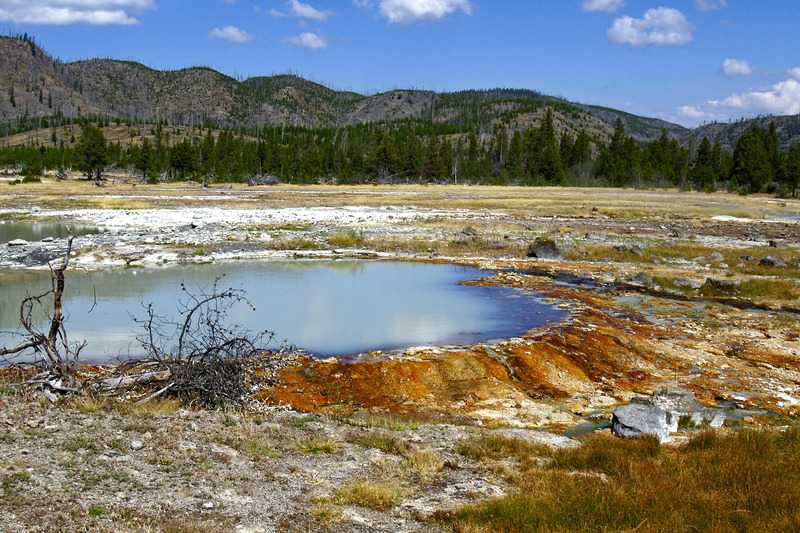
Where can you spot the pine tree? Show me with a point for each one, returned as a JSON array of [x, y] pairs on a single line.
[[703, 175], [792, 176], [91, 151]]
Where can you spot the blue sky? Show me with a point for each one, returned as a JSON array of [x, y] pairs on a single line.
[[686, 61]]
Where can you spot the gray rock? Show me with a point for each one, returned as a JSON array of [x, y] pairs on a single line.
[[642, 279], [687, 408], [688, 283], [545, 248], [717, 257], [772, 261], [18, 242], [640, 417], [662, 413], [636, 250], [778, 245], [722, 284]]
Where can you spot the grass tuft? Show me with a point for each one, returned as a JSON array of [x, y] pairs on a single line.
[[376, 495], [320, 445], [346, 240], [382, 441]]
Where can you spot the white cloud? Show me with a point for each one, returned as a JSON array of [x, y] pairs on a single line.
[[301, 10], [309, 41], [65, 12], [693, 113], [710, 5], [410, 11], [231, 34], [782, 98], [737, 67], [662, 26], [604, 6]]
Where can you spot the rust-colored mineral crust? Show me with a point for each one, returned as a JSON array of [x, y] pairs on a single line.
[[600, 356]]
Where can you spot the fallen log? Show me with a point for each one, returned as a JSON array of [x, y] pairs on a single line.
[[125, 382]]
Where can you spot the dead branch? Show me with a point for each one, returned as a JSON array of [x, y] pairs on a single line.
[[52, 349], [206, 358]]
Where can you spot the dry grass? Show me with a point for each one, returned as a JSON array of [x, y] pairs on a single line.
[[325, 512], [496, 447], [523, 201], [378, 495], [94, 403], [748, 481], [424, 465], [406, 421], [382, 441]]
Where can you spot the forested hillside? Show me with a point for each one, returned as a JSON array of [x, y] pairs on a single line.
[[39, 86], [96, 115]]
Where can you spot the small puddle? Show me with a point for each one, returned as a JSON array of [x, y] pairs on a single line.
[[328, 308], [37, 231]]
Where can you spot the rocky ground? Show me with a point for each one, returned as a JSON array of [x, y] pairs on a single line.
[[93, 465], [631, 270]]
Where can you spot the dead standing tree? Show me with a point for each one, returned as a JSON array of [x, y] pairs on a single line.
[[52, 349], [204, 360]]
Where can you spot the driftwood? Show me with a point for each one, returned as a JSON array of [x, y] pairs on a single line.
[[126, 382]]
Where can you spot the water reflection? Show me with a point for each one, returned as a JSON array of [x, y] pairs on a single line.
[[30, 231], [325, 307]]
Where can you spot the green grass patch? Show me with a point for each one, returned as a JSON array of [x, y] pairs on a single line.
[[259, 451], [96, 510], [320, 445], [78, 443], [346, 240], [759, 289]]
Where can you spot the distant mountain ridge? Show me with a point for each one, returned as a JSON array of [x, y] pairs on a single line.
[[787, 127], [37, 85]]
